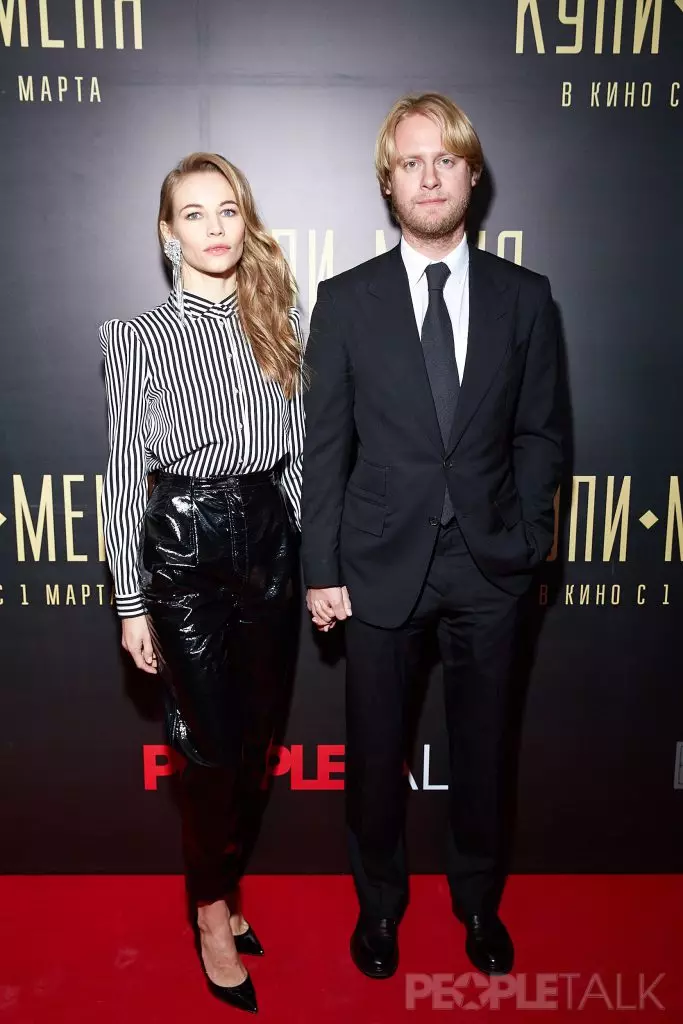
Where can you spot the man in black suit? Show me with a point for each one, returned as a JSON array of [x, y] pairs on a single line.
[[437, 365]]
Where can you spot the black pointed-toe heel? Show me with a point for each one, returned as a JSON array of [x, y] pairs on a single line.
[[241, 997], [248, 944]]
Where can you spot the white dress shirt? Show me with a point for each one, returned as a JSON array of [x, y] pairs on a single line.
[[456, 292]]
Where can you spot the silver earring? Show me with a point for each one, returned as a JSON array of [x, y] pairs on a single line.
[[174, 253]]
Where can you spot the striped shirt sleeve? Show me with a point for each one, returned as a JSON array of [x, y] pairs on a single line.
[[292, 474], [124, 494]]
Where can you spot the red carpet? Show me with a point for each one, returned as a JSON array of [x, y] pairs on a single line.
[[117, 950]]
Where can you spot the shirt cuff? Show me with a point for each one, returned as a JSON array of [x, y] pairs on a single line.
[[129, 605]]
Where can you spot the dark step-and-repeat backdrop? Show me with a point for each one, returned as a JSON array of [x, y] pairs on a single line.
[[580, 110]]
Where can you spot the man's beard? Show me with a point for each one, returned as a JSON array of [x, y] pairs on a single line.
[[426, 225]]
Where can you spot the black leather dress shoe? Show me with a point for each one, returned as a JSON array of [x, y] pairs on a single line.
[[374, 947], [488, 944]]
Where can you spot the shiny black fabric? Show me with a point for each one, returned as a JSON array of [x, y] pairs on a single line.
[[217, 564]]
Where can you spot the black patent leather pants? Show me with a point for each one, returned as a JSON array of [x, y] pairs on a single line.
[[217, 563]]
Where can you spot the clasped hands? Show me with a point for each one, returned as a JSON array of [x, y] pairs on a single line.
[[327, 606]]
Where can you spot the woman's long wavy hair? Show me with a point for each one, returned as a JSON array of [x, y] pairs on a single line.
[[265, 285]]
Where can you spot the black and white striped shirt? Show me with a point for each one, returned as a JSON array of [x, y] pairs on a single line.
[[188, 397]]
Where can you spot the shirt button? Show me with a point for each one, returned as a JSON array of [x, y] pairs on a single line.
[[433, 521]]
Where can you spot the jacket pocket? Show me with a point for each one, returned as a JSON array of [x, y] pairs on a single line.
[[509, 509], [364, 515], [369, 477]]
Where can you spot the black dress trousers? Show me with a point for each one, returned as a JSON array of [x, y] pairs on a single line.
[[476, 625], [217, 563]]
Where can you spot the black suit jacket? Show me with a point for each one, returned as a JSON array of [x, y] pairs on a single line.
[[372, 525]]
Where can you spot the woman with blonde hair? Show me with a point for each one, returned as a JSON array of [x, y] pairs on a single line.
[[206, 391]]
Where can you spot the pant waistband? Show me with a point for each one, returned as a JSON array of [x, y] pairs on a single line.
[[229, 480]]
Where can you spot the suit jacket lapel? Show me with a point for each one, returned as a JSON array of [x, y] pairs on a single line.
[[491, 302], [390, 285]]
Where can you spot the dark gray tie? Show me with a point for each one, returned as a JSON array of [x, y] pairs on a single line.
[[439, 355]]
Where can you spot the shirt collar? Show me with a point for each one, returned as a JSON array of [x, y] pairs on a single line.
[[415, 263], [194, 306]]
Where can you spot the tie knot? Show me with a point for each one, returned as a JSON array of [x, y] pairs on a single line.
[[437, 275]]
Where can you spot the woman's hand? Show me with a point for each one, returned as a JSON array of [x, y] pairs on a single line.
[[328, 605], [135, 639]]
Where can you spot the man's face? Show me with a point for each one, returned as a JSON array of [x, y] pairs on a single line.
[[430, 187]]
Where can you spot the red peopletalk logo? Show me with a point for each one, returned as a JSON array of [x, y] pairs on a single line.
[[160, 760]]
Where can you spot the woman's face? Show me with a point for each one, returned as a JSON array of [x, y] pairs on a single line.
[[207, 223]]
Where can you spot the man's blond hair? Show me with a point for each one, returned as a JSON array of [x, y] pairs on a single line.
[[457, 132]]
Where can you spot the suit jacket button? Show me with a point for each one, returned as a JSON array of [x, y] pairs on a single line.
[[433, 521]]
